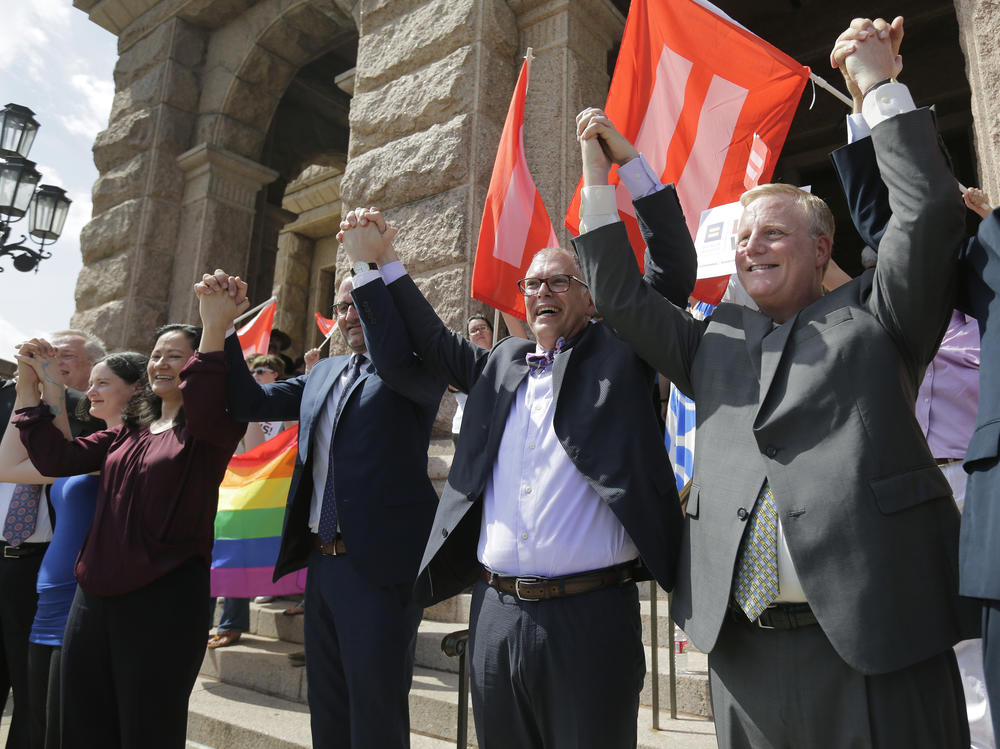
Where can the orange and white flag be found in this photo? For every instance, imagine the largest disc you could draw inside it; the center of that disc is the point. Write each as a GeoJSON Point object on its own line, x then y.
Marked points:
{"type": "Point", "coordinates": [515, 223]}
{"type": "Point", "coordinates": [691, 89]}
{"type": "Point", "coordinates": [256, 334]}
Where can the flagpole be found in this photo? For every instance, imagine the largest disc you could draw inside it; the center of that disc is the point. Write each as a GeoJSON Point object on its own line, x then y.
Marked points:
{"type": "Point", "coordinates": [328, 337]}
{"type": "Point", "coordinates": [255, 310]}
{"type": "Point", "coordinates": [830, 89]}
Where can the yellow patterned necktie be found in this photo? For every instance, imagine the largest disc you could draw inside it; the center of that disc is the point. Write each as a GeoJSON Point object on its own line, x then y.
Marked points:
{"type": "Point", "coordinates": [757, 567]}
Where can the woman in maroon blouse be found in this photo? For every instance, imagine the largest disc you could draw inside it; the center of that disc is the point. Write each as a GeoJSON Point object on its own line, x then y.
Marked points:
{"type": "Point", "coordinates": [136, 634]}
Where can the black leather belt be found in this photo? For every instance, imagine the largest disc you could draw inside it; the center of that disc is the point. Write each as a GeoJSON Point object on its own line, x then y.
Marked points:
{"type": "Point", "coordinates": [335, 548]}
{"type": "Point", "coordinates": [533, 588]}
{"type": "Point", "coordinates": [24, 550]}
{"type": "Point", "coordinates": [777, 616]}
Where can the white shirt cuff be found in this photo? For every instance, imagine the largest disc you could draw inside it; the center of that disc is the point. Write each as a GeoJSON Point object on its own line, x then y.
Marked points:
{"type": "Point", "coordinates": [598, 207]}
{"type": "Point", "coordinates": [392, 271]}
{"type": "Point", "coordinates": [857, 128]}
{"type": "Point", "coordinates": [366, 276]}
{"type": "Point", "coordinates": [886, 101]}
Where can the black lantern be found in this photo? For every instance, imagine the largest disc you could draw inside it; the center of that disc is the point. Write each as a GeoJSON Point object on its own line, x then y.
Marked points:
{"type": "Point", "coordinates": [20, 193]}
{"type": "Point", "coordinates": [17, 130]}
{"type": "Point", "coordinates": [48, 213]}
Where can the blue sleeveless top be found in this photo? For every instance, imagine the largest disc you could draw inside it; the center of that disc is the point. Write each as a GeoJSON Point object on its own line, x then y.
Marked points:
{"type": "Point", "coordinates": [73, 500]}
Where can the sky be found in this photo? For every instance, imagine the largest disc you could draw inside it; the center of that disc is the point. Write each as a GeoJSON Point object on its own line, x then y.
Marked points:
{"type": "Point", "coordinates": [59, 64]}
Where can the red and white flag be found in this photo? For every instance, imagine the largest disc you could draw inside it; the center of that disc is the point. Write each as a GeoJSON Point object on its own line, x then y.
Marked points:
{"type": "Point", "coordinates": [515, 224]}
{"type": "Point", "coordinates": [325, 324]}
{"type": "Point", "coordinates": [256, 334]}
{"type": "Point", "coordinates": [690, 90]}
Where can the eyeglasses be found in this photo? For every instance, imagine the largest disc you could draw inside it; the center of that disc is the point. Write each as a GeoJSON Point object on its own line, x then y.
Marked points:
{"type": "Point", "coordinates": [479, 329]}
{"type": "Point", "coordinates": [341, 308]}
{"type": "Point", "coordinates": [262, 370]}
{"type": "Point", "coordinates": [558, 284]}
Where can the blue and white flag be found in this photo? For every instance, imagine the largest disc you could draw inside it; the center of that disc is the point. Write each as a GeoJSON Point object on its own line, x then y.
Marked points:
{"type": "Point", "coordinates": [681, 421]}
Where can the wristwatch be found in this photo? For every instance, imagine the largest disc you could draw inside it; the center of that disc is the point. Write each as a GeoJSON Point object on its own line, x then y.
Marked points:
{"type": "Point", "coordinates": [361, 267]}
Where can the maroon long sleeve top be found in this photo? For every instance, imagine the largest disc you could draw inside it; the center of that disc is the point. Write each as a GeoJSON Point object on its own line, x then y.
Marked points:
{"type": "Point", "coordinates": [158, 493]}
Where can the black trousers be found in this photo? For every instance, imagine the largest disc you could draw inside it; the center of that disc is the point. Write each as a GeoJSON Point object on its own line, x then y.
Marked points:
{"type": "Point", "coordinates": [129, 663]}
{"type": "Point", "coordinates": [558, 674]}
{"type": "Point", "coordinates": [360, 644]}
{"type": "Point", "coordinates": [774, 689]}
{"type": "Point", "coordinates": [43, 685]}
{"type": "Point", "coordinates": [18, 600]}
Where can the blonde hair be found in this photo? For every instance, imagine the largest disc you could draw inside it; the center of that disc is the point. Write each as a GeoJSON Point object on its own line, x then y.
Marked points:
{"type": "Point", "coordinates": [817, 212]}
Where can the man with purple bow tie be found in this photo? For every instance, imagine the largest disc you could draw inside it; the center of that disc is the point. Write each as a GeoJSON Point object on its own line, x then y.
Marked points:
{"type": "Point", "coordinates": [559, 499]}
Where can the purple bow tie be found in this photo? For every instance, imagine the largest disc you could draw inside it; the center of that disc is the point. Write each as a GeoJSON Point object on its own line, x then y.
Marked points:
{"type": "Point", "coordinates": [540, 362]}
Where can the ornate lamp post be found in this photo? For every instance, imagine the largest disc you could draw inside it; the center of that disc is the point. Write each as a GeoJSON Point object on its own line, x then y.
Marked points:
{"type": "Point", "coordinates": [21, 194]}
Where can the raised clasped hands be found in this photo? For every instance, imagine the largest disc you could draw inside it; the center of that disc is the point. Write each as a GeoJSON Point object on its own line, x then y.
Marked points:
{"type": "Point", "coordinates": [37, 363]}
{"type": "Point", "coordinates": [601, 145]}
{"type": "Point", "coordinates": [867, 53]}
{"type": "Point", "coordinates": [367, 236]}
{"type": "Point", "coordinates": [221, 299]}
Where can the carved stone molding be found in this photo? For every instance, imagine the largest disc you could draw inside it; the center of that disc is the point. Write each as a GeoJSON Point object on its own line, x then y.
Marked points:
{"type": "Point", "coordinates": [214, 173]}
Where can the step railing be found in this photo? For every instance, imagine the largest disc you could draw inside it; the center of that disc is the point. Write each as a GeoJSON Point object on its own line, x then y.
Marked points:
{"type": "Point", "coordinates": [456, 644]}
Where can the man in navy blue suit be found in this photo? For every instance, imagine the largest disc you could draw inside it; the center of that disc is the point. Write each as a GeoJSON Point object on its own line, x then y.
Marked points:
{"type": "Point", "coordinates": [359, 510]}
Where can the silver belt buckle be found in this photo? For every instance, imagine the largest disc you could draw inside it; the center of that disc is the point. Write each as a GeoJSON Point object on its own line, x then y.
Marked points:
{"type": "Point", "coordinates": [526, 580]}
{"type": "Point", "coordinates": [11, 552]}
{"type": "Point", "coordinates": [760, 624]}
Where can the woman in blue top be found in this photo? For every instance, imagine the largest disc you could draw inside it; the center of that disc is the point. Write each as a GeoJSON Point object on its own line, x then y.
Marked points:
{"type": "Point", "coordinates": [115, 381]}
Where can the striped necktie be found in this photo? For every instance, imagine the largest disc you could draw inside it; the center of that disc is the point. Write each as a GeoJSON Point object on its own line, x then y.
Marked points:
{"type": "Point", "coordinates": [328, 511]}
{"type": "Point", "coordinates": [757, 566]}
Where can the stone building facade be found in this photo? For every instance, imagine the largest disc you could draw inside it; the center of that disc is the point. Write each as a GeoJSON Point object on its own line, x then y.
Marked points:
{"type": "Point", "coordinates": [241, 129]}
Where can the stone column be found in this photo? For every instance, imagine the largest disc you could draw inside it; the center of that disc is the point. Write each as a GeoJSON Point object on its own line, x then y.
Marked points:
{"type": "Point", "coordinates": [307, 255]}
{"type": "Point", "coordinates": [128, 246]}
{"type": "Point", "coordinates": [219, 206]}
{"type": "Point", "coordinates": [431, 91]}
{"type": "Point", "coordinates": [571, 40]}
{"type": "Point", "coordinates": [292, 274]}
{"type": "Point", "coordinates": [978, 31]}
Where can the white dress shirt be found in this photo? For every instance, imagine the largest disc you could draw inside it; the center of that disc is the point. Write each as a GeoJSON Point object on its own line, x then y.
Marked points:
{"type": "Point", "coordinates": [540, 516]}
{"type": "Point", "coordinates": [322, 439]}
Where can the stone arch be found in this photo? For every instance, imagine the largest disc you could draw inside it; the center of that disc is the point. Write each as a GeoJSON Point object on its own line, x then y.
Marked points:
{"type": "Point", "coordinates": [249, 66]}
{"type": "Point", "coordinates": [250, 63]}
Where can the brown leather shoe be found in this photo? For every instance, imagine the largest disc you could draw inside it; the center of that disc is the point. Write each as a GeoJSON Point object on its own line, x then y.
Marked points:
{"type": "Point", "coordinates": [224, 639]}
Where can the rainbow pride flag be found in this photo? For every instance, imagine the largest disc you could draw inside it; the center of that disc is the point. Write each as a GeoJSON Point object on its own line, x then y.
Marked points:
{"type": "Point", "coordinates": [249, 519]}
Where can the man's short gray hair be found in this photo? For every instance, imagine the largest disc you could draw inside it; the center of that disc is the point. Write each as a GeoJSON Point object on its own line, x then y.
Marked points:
{"type": "Point", "coordinates": [93, 345]}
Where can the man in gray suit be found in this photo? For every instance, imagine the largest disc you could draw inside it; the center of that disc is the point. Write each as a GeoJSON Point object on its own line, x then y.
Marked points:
{"type": "Point", "coordinates": [818, 566]}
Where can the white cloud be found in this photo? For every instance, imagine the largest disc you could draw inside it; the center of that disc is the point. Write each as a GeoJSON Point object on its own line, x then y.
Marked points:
{"type": "Point", "coordinates": [31, 30]}
{"type": "Point", "coordinates": [90, 115]}
{"type": "Point", "coordinates": [11, 334]}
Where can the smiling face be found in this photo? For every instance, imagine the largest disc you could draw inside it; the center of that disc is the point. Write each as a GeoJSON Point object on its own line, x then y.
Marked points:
{"type": "Point", "coordinates": [779, 262]}
{"type": "Point", "coordinates": [170, 354]}
{"type": "Point", "coordinates": [108, 394]}
{"type": "Point", "coordinates": [550, 315]}
{"type": "Point", "coordinates": [74, 360]}
{"type": "Point", "coordinates": [480, 333]}
{"type": "Point", "coordinates": [350, 323]}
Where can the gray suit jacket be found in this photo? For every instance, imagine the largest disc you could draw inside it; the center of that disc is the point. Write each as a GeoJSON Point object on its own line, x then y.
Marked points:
{"type": "Point", "coordinates": [822, 406]}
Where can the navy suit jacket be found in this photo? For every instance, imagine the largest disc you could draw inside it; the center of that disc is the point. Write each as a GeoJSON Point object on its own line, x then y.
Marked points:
{"type": "Point", "coordinates": [385, 500]}
{"type": "Point", "coordinates": [978, 280]}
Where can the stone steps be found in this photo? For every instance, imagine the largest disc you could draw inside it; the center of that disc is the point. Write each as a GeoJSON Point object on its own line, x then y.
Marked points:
{"type": "Point", "coordinates": [224, 716]}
